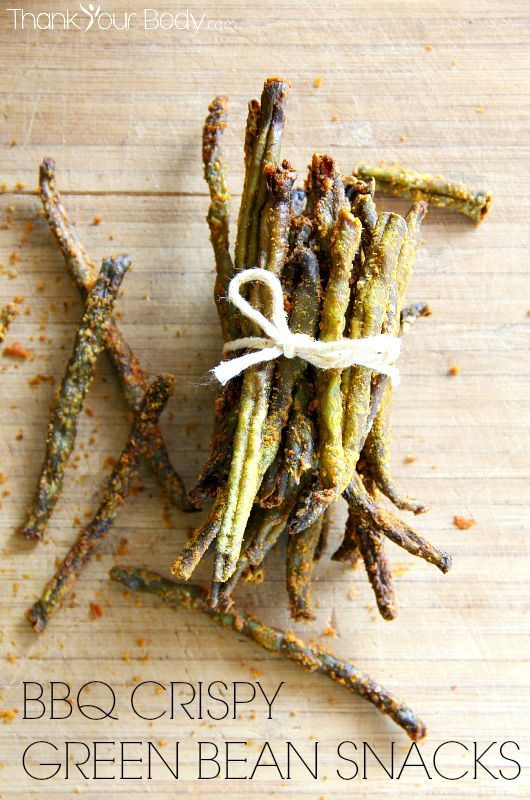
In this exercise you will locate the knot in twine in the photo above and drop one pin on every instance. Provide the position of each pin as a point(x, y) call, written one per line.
point(374, 352)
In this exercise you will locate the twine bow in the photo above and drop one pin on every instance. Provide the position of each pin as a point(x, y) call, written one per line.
point(374, 352)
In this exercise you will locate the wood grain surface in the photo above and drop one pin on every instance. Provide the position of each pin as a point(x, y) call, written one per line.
point(441, 86)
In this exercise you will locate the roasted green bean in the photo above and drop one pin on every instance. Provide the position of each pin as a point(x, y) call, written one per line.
point(441, 192)
point(70, 397)
point(311, 657)
point(115, 492)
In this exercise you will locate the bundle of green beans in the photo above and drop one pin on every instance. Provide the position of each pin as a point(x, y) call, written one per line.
point(290, 440)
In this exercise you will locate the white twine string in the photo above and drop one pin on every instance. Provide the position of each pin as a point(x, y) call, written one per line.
point(375, 352)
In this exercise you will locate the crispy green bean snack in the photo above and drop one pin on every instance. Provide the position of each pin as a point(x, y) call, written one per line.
point(292, 436)
point(435, 189)
point(286, 644)
point(70, 397)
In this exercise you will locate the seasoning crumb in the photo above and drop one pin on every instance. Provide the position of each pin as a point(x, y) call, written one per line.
point(11, 658)
point(8, 715)
point(480, 109)
point(96, 610)
point(97, 220)
point(329, 631)
point(126, 657)
point(453, 370)
point(410, 458)
point(39, 378)
point(317, 83)
point(20, 185)
point(428, 47)
point(255, 673)
point(18, 351)
point(123, 546)
point(463, 523)
point(166, 519)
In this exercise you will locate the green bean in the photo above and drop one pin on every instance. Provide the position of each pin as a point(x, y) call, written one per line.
point(219, 212)
point(215, 470)
point(377, 448)
point(348, 551)
point(371, 545)
point(80, 266)
point(303, 319)
point(300, 564)
point(364, 540)
point(441, 192)
point(271, 524)
point(115, 492)
point(345, 242)
point(252, 127)
point(70, 397)
point(363, 207)
point(326, 198)
point(377, 452)
point(262, 146)
point(194, 549)
point(311, 657)
point(264, 528)
point(270, 492)
point(393, 528)
point(300, 454)
point(327, 521)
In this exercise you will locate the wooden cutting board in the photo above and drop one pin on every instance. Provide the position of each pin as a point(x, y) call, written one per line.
point(437, 86)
